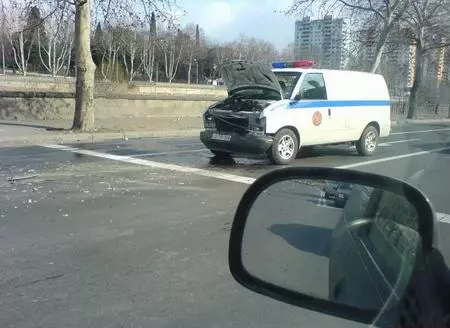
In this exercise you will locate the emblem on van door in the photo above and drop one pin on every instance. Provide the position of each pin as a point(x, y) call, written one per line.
point(317, 118)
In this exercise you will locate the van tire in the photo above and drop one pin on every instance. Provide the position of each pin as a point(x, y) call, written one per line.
point(367, 144)
point(291, 142)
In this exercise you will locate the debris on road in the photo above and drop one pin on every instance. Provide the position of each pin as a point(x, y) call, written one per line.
point(21, 177)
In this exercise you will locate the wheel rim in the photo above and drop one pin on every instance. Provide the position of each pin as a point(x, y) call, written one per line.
point(286, 147)
point(371, 141)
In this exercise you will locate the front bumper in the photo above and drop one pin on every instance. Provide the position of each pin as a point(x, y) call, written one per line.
point(238, 144)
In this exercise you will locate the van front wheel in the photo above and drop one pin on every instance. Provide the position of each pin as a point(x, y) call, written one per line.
point(367, 144)
point(284, 148)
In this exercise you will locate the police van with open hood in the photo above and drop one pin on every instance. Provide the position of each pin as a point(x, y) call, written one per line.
point(277, 110)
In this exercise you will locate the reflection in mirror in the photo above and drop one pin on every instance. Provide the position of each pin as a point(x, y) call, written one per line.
point(350, 244)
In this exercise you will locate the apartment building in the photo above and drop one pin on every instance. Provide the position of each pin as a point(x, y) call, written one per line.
point(323, 40)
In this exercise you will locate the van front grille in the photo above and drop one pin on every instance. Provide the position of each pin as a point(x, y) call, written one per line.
point(232, 124)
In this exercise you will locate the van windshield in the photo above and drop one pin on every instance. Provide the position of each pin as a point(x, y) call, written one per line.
point(288, 81)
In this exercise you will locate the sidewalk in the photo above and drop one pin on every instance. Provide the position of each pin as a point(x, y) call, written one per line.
point(402, 120)
point(16, 133)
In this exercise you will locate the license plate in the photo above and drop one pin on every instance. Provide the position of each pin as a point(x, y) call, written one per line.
point(221, 137)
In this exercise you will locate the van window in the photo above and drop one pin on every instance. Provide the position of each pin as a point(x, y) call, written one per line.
point(288, 81)
point(313, 87)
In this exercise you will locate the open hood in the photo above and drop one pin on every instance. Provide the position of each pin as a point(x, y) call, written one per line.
point(240, 75)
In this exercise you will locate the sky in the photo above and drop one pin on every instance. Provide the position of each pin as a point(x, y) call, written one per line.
point(225, 20)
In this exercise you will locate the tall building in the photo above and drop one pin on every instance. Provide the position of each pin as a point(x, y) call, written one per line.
point(323, 40)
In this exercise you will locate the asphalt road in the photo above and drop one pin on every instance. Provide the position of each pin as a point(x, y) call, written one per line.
point(134, 233)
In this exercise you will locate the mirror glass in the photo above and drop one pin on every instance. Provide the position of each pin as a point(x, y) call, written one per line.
point(350, 244)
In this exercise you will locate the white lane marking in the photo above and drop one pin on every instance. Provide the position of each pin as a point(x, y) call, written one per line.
point(442, 217)
point(416, 175)
point(169, 153)
point(158, 165)
point(392, 158)
point(388, 143)
point(419, 131)
point(400, 141)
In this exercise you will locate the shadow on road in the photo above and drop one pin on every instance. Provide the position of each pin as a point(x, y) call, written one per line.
point(306, 238)
point(327, 150)
point(48, 128)
point(218, 161)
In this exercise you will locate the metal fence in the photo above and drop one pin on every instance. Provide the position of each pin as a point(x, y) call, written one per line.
point(423, 110)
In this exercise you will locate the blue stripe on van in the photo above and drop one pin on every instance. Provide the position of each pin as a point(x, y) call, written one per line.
point(338, 103)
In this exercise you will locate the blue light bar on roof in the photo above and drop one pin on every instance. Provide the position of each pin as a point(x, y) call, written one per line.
point(304, 63)
point(279, 65)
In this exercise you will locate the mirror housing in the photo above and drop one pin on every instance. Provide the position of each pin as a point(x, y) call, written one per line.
point(425, 225)
point(298, 96)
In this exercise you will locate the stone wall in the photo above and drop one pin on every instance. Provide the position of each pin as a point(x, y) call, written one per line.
point(44, 108)
point(67, 85)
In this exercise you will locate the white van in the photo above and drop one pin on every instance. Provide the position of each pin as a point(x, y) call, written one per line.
point(276, 111)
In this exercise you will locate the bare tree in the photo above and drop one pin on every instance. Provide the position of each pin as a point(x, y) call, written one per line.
point(55, 50)
point(388, 13)
point(15, 18)
point(3, 37)
point(171, 45)
point(85, 68)
point(253, 49)
point(148, 58)
point(427, 24)
point(191, 47)
point(84, 104)
point(223, 53)
point(110, 56)
point(131, 42)
point(149, 44)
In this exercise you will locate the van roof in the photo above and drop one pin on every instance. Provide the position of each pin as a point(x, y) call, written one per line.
point(318, 70)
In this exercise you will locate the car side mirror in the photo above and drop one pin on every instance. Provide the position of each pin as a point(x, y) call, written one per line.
point(298, 96)
point(349, 253)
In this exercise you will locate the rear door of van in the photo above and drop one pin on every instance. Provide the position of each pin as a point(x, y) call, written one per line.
point(364, 98)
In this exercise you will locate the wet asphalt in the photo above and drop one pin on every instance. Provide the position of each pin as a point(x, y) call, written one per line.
point(90, 241)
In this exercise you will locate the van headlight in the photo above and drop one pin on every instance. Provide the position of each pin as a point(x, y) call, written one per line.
point(208, 121)
point(262, 124)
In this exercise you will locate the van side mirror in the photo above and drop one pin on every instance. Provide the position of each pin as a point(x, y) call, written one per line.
point(298, 96)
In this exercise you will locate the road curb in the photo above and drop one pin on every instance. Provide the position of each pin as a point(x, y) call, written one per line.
point(72, 137)
point(419, 121)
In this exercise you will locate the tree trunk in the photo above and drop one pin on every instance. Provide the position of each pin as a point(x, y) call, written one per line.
point(84, 94)
point(22, 53)
point(68, 62)
point(189, 71)
point(379, 49)
point(3, 57)
point(418, 72)
point(152, 61)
